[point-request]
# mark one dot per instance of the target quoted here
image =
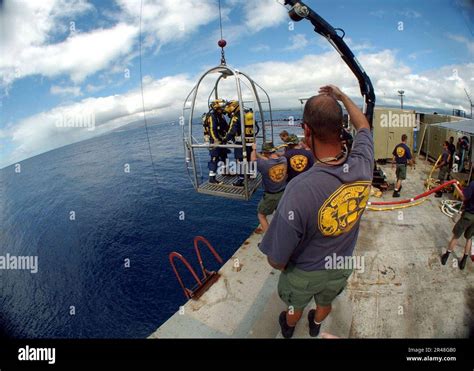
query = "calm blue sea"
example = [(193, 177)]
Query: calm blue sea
[(118, 216)]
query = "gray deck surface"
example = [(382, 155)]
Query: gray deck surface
[(403, 292)]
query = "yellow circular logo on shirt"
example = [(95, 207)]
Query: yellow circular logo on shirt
[(298, 162), (277, 173), (343, 208), (400, 151)]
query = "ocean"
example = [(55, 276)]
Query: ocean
[(102, 234)]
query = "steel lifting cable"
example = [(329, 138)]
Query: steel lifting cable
[(145, 119), (222, 43), (220, 20)]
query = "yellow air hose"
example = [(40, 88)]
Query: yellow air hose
[(396, 207), (430, 181)]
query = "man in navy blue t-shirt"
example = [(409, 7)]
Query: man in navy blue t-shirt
[(443, 166), (317, 219), (299, 159), (401, 157)]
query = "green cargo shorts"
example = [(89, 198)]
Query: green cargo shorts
[(297, 287), (401, 171), (443, 172), (269, 202), (464, 225)]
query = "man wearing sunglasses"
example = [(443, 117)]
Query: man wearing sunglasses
[(319, 213)]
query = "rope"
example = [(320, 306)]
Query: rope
[(451, 207), (220, 19), (223, 62), (144, 117)]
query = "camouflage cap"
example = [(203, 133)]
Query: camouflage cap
[(292, 139), (268, 147)]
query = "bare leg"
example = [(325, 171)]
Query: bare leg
[(322, 313), (263, 221), (467, 247), (292, 319), (398, 184), (452, 244)]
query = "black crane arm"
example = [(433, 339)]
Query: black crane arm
[(301, 11)]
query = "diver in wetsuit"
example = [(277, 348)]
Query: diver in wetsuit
[(215, 127), (234, 133)]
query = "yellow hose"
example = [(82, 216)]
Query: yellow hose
[(396, 207), (430, 181)]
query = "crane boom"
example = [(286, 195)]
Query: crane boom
[(301, 11)]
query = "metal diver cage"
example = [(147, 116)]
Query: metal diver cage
[(247, 93)]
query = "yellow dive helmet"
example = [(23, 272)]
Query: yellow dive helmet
[(231, 107), (218, 104)]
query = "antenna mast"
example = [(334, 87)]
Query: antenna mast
[(470, 100)]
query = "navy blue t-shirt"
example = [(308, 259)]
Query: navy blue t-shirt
[(402, 153), (445, 157), (468, 195), (299, 160), (274, 173), (319, 213)]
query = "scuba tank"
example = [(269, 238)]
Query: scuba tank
[(205, 126), (249, 124)]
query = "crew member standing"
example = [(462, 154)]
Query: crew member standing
[(215, 125), (284, 135), (465, 225), (299, 159), (234, 134), (274, 172), (401, 158), (443, 166), (452, 151), (319, 214)]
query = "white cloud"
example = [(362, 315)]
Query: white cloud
[(419, 53), (297, 42), (25, 23), (260, 48), (410, 13), (28, 27), (364, 45), (73, 91), (263, 14), (78, 56), (91, 88), (468, 43), (40, 132), (284, 81), (168, 20), (378, 13)]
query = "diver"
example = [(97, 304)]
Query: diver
[(215, 127), (234, 133)]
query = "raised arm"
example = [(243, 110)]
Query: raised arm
[(460, 191), (358, 119), (253, 155)]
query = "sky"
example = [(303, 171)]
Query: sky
[(64, 60)]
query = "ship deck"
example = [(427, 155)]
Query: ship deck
[(404, 291)]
